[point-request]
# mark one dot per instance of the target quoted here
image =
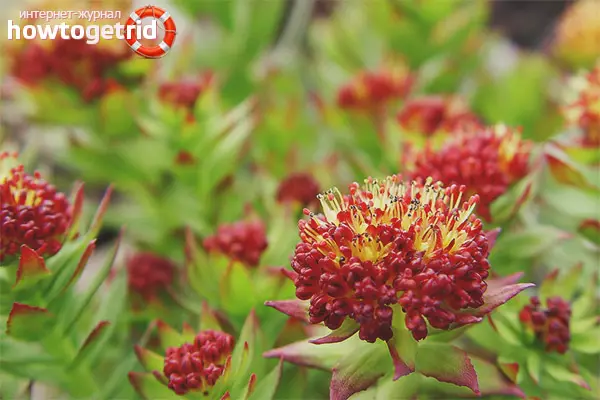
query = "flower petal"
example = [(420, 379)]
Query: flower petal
[(31, 268), (294, 308), (447, 363), (349, 327), (27, 323)]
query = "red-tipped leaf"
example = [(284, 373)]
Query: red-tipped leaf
[(31, 268)]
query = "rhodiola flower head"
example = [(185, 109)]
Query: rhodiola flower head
[(299, 188), (551, 325), (148, 273), (430, 114), (578, 34), (33, 213), (584, 110), (197, 366), (184, 93), (487, 162), (242, 241), (388, 242), (372, 89)]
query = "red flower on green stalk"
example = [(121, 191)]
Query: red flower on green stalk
[(584, 110), (184, 93), (148, 274), (372, 89), (551, 325), (298, 188), (242, 241), (208, 363), (33, 213), (416, 244), (486, 162), (431, 114)]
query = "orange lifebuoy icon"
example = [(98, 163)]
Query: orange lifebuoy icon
[(169, 27)]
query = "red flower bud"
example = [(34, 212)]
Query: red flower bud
[(198, 366), (299, 188), (148, 273), (550, 325), (241, 241)]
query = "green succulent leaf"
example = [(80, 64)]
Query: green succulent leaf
[(149, 387), (267, 386), (31, 268), (447, 363), (28, 323)]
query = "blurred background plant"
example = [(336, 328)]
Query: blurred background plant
[(214, 151)]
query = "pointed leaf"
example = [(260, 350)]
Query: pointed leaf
[(148, 387), (267, 386), (509, 368), (549, 285), (31, 269), (534, 366), (248, 337), (508, 205), (100, 277), (149, 360), (294, 308), (99, 216), (567, 172), (89, 250), (402, 346), (590, 229), (358, 370), (95, 340), (249, 387), (447, 363), (169, 337), (310, 355), (492, 236), (208, 319), (562, 374), (28, 323), (587, 342), (492, 382), (495, 296), (77, 201), (188, 333), (349, 327)]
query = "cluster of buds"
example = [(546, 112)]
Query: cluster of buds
[(298, 188), (584, 110), (148, 273), (33, 213), (242, 241), (372, 89), (431, 114), (487, 162), (551, 325), (415, 244), (74, 62), (578, 34), (184, 93), (198, 366)]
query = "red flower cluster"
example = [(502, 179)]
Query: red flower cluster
[(551, 326), (243, 241), (430, 114), (148, 273), (184, 93), (198, 366), (33, 213), (371, 90), (584, 111), (74, 62), (417, 245), (299, 188), (487, 162)]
